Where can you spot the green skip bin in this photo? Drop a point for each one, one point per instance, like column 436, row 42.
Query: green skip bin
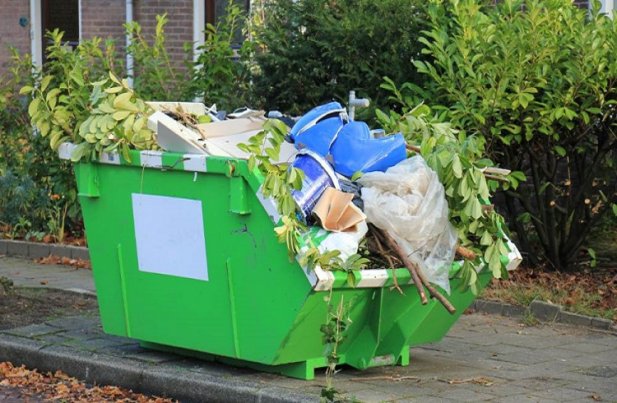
column 185, row 259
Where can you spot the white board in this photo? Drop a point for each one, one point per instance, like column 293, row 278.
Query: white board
column 169, row 233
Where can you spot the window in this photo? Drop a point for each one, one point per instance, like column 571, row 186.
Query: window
column 63, row 15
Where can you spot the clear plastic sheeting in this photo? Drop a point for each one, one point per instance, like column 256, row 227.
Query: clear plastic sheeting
column 409, row 202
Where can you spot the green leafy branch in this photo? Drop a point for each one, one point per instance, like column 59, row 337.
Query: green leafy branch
column 118, row 121
column 333, row 332
column 459, row 163
column 279, row 181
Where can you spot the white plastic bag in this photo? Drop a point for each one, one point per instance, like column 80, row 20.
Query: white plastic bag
column 345, row 242
column 409, row 202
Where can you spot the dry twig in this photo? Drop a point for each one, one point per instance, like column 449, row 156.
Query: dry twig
column 410, row 266
column 418, row 276
column 465, row 253
column 390, row 263
column 413, row 148
column 396, row 378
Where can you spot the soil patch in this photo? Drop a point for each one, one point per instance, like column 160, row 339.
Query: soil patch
column 26, row 306
column 590, row 292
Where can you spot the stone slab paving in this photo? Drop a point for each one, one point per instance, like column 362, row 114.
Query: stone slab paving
column 26, row 273
column 483, row 358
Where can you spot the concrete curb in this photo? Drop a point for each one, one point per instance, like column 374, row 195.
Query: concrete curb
column 36, row 250
column 140, row 377
column 544, row 312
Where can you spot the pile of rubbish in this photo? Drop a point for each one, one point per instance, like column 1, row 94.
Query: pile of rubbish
column 353, row 177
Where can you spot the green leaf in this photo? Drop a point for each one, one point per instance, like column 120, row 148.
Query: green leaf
column 560, row 151
column 113, row 78
column 357, row 175
column 123, row 101
column 26, row 89
column 79, row 152
column 34, row 105
column 113, row 90
column 486, row 239
column 476, row 211
column 45, row 82
column 351, row 279
column 75, row 76
column 592, row 254
column 457, row 167
column 120, row 115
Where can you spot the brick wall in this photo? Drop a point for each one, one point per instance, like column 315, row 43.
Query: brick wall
column 104, row 18
column 179, row 28
column 11, row 33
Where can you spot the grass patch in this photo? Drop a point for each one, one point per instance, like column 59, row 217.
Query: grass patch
column 592, row 294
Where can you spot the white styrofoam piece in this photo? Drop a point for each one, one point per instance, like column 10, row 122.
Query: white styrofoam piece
column 514, row 256
column 174, row 136
column 169, row 235
column 229, row 145
column 195, row 108
column 153, row 120
column 231, row 126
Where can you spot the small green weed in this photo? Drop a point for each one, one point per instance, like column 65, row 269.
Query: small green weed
column 529, row 319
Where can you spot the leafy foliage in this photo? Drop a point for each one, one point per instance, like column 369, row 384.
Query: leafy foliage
column 219, row 76
column 23, row 205
column 35, row 183
column 156, row 76
column 539, row 85
column 69, row 105
column 333, row 335
column 118, row 120
column 458, row 160
column 311, row 51
column 60, row 101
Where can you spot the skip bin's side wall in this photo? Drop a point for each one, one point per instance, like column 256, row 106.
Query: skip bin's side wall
column 253, row 293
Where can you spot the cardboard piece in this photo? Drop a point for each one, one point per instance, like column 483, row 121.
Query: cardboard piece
column 336, row 211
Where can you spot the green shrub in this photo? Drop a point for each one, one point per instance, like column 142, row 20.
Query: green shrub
column 539, row 83
column 218, row 77
column 60, row 101
column 14, row 120
column 313, row 51
column 34, row 183
column 24, row 206
column 156, row 77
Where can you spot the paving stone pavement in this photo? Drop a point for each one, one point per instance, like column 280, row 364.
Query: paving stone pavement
column 483, row 358
column 26, row 273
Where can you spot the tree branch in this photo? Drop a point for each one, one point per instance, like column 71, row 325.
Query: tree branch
column 417, row 272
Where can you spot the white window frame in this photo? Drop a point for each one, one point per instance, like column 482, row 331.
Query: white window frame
column 199, row 25
column 36, row 33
